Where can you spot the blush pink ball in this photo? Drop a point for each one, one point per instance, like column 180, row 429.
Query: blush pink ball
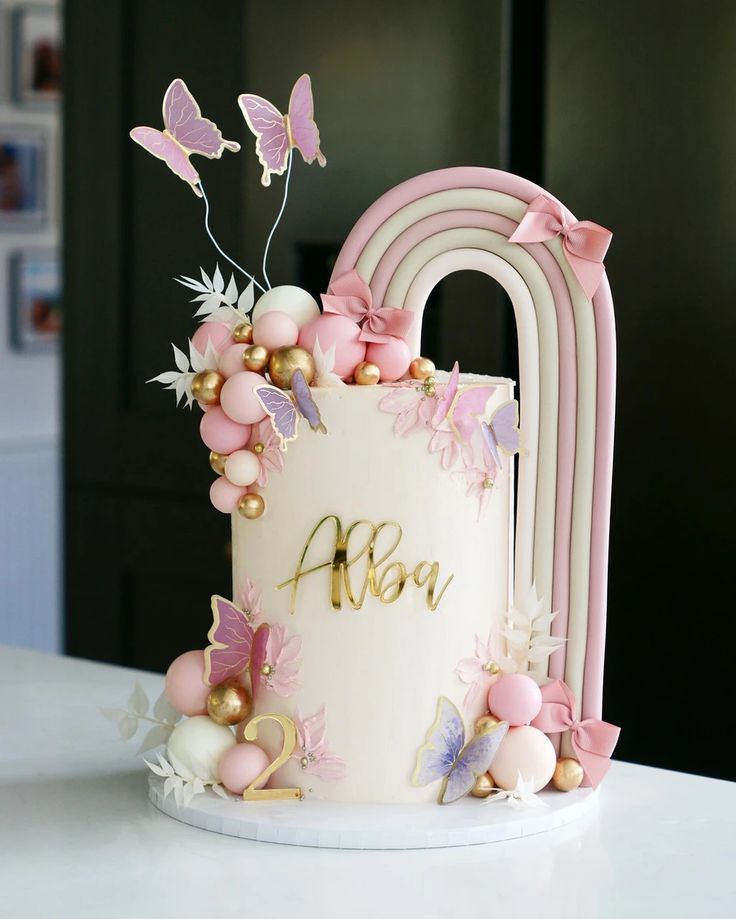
column 185, row 687
column 231, row 360
column 524, row 752
column 225, row 496
column 239, row 765
column 242, row 467
column 391, row 357
column 339, row 331
column 274, row 330
column 220, row 334
column 238, row 400
column 220, row 433
column 515, row 698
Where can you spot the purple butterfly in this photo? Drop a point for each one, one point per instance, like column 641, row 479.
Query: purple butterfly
column 185, row 132
column 231, row 641
column 445, row 755
column 503, row 431
column 284, row 409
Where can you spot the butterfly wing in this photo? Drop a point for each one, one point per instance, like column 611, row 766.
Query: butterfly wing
column 305, row 402
column 258, row 657
column 304, row 131
column 474, row 759
column 282, row 412
column 469, row 405
column 231, row 640
column 442, row 745
column 489, row 439
column 272, row 138
column 447, row 398
column 166, row 149
column 183, row 120
column 505, row 426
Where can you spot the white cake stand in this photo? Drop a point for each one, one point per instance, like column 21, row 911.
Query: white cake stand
column 331, row 825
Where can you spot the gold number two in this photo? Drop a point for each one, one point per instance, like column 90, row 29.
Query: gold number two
column 252, row 793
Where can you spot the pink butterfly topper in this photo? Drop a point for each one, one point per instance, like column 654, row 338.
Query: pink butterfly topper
column 231, row 642
column 185, row 132
column 503, row 431
column 277, row 134
column 462, row 408
column 284, row 409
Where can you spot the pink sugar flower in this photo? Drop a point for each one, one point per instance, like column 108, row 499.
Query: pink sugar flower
column 271, row 458
column 251, row 601
column 282, row 661
column 411, row 405
column 312, row 751
column 483, row 669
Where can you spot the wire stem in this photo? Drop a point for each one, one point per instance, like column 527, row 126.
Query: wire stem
column 278, row 220
column 217, row 245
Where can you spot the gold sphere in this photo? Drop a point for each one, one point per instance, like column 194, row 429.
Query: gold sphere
column 217, row 462
column 366, row 374
column 243, row 333
column 483, row 786
column 251, row 506
column 429, row 386
column 206, row 386
column 266, row 669
column 255, row 358
column 284, row 361
column 229, row 703
column 568, row 774
column 421, row 368
column 491, row 667
column 259, row 447
column 485, row 722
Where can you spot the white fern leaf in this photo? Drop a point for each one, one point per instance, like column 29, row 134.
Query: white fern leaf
column 247, row 299
column 192, row 284
column 218, row 281
column 231, row 293
column 164, row 711
column 220, row 791
column 128, row 726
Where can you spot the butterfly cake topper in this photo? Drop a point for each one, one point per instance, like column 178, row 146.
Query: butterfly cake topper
column 284, row 409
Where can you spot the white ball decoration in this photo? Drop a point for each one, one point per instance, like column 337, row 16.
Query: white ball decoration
column 526, row 752
column 295, row 302
column 242, row 467
column 196, row 745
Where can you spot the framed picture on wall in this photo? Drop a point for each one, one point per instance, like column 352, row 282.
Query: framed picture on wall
column 36, row 58
column 23, row 175
column 35, row 300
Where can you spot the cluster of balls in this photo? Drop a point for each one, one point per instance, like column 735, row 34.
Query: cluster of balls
column 525, row 753
column 286, row 323
column 204, row 745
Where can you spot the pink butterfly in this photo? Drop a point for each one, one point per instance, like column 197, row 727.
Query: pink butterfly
column 231, row 642
column 503, row 431
column 185, row 132
column 462, row 409
column 277, row 134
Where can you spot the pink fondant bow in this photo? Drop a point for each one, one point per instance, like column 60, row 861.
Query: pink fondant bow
column 350, row 296
column 585, row 243
column 593, row 741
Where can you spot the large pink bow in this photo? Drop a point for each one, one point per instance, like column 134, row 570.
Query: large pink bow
column 593, row 741
column 585, row 243
column 350, row 296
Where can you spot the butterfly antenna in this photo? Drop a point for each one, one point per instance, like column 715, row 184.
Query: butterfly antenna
column 217, row 245
column 278, row 219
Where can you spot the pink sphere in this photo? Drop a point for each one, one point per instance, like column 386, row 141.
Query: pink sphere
column 239, row 765
column 242, row 467
column 515, row 698
column 391, row 357
column 219, row 333
column 231, row 360
column 185, row 687
column 339, row 331
column 220, row 433
column 225, row 496
column 238, row 400
column 524, row 752
column 275, row 330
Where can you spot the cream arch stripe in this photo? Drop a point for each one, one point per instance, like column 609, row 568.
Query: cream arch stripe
column 464, row 178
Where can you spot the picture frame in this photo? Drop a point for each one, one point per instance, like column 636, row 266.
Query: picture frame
column 24, row 155
column 36, row 56
column 35, row 300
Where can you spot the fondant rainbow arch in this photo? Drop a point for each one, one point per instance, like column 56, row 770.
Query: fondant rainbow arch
column 462, row 218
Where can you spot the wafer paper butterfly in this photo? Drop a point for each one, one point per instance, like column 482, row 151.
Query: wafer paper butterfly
column 461, row 409
column 185, row 132
column 277, row 134
column 502, row 431
column 445, row 755
column 284, row 409
column 233, row 645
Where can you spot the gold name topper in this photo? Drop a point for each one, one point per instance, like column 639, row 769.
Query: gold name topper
column 350, row 566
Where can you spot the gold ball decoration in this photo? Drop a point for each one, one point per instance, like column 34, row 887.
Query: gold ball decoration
column 255, row 358
column 366, row 374
column 429, row 387
column 229, row 703
column 243, row 333
column 485, row 722
column 421, row 368
column 206, row 386
column 284, row 361
column 251, row 506
column 266, row 670
column 483, row 786
column 217, row 462
column 259, row 447
column 568, row 774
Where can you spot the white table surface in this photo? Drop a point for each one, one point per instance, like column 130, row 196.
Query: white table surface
column 78, row 836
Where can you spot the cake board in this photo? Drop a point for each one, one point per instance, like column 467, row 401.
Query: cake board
column 332, row 825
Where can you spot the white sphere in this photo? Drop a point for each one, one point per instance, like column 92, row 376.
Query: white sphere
column 196, row 745
column 295, row 302
column 242, row 467
column 527, row 752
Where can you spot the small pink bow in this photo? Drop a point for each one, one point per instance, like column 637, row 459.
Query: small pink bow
column 350, row 296
column 585, row 243
column 593, row 741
